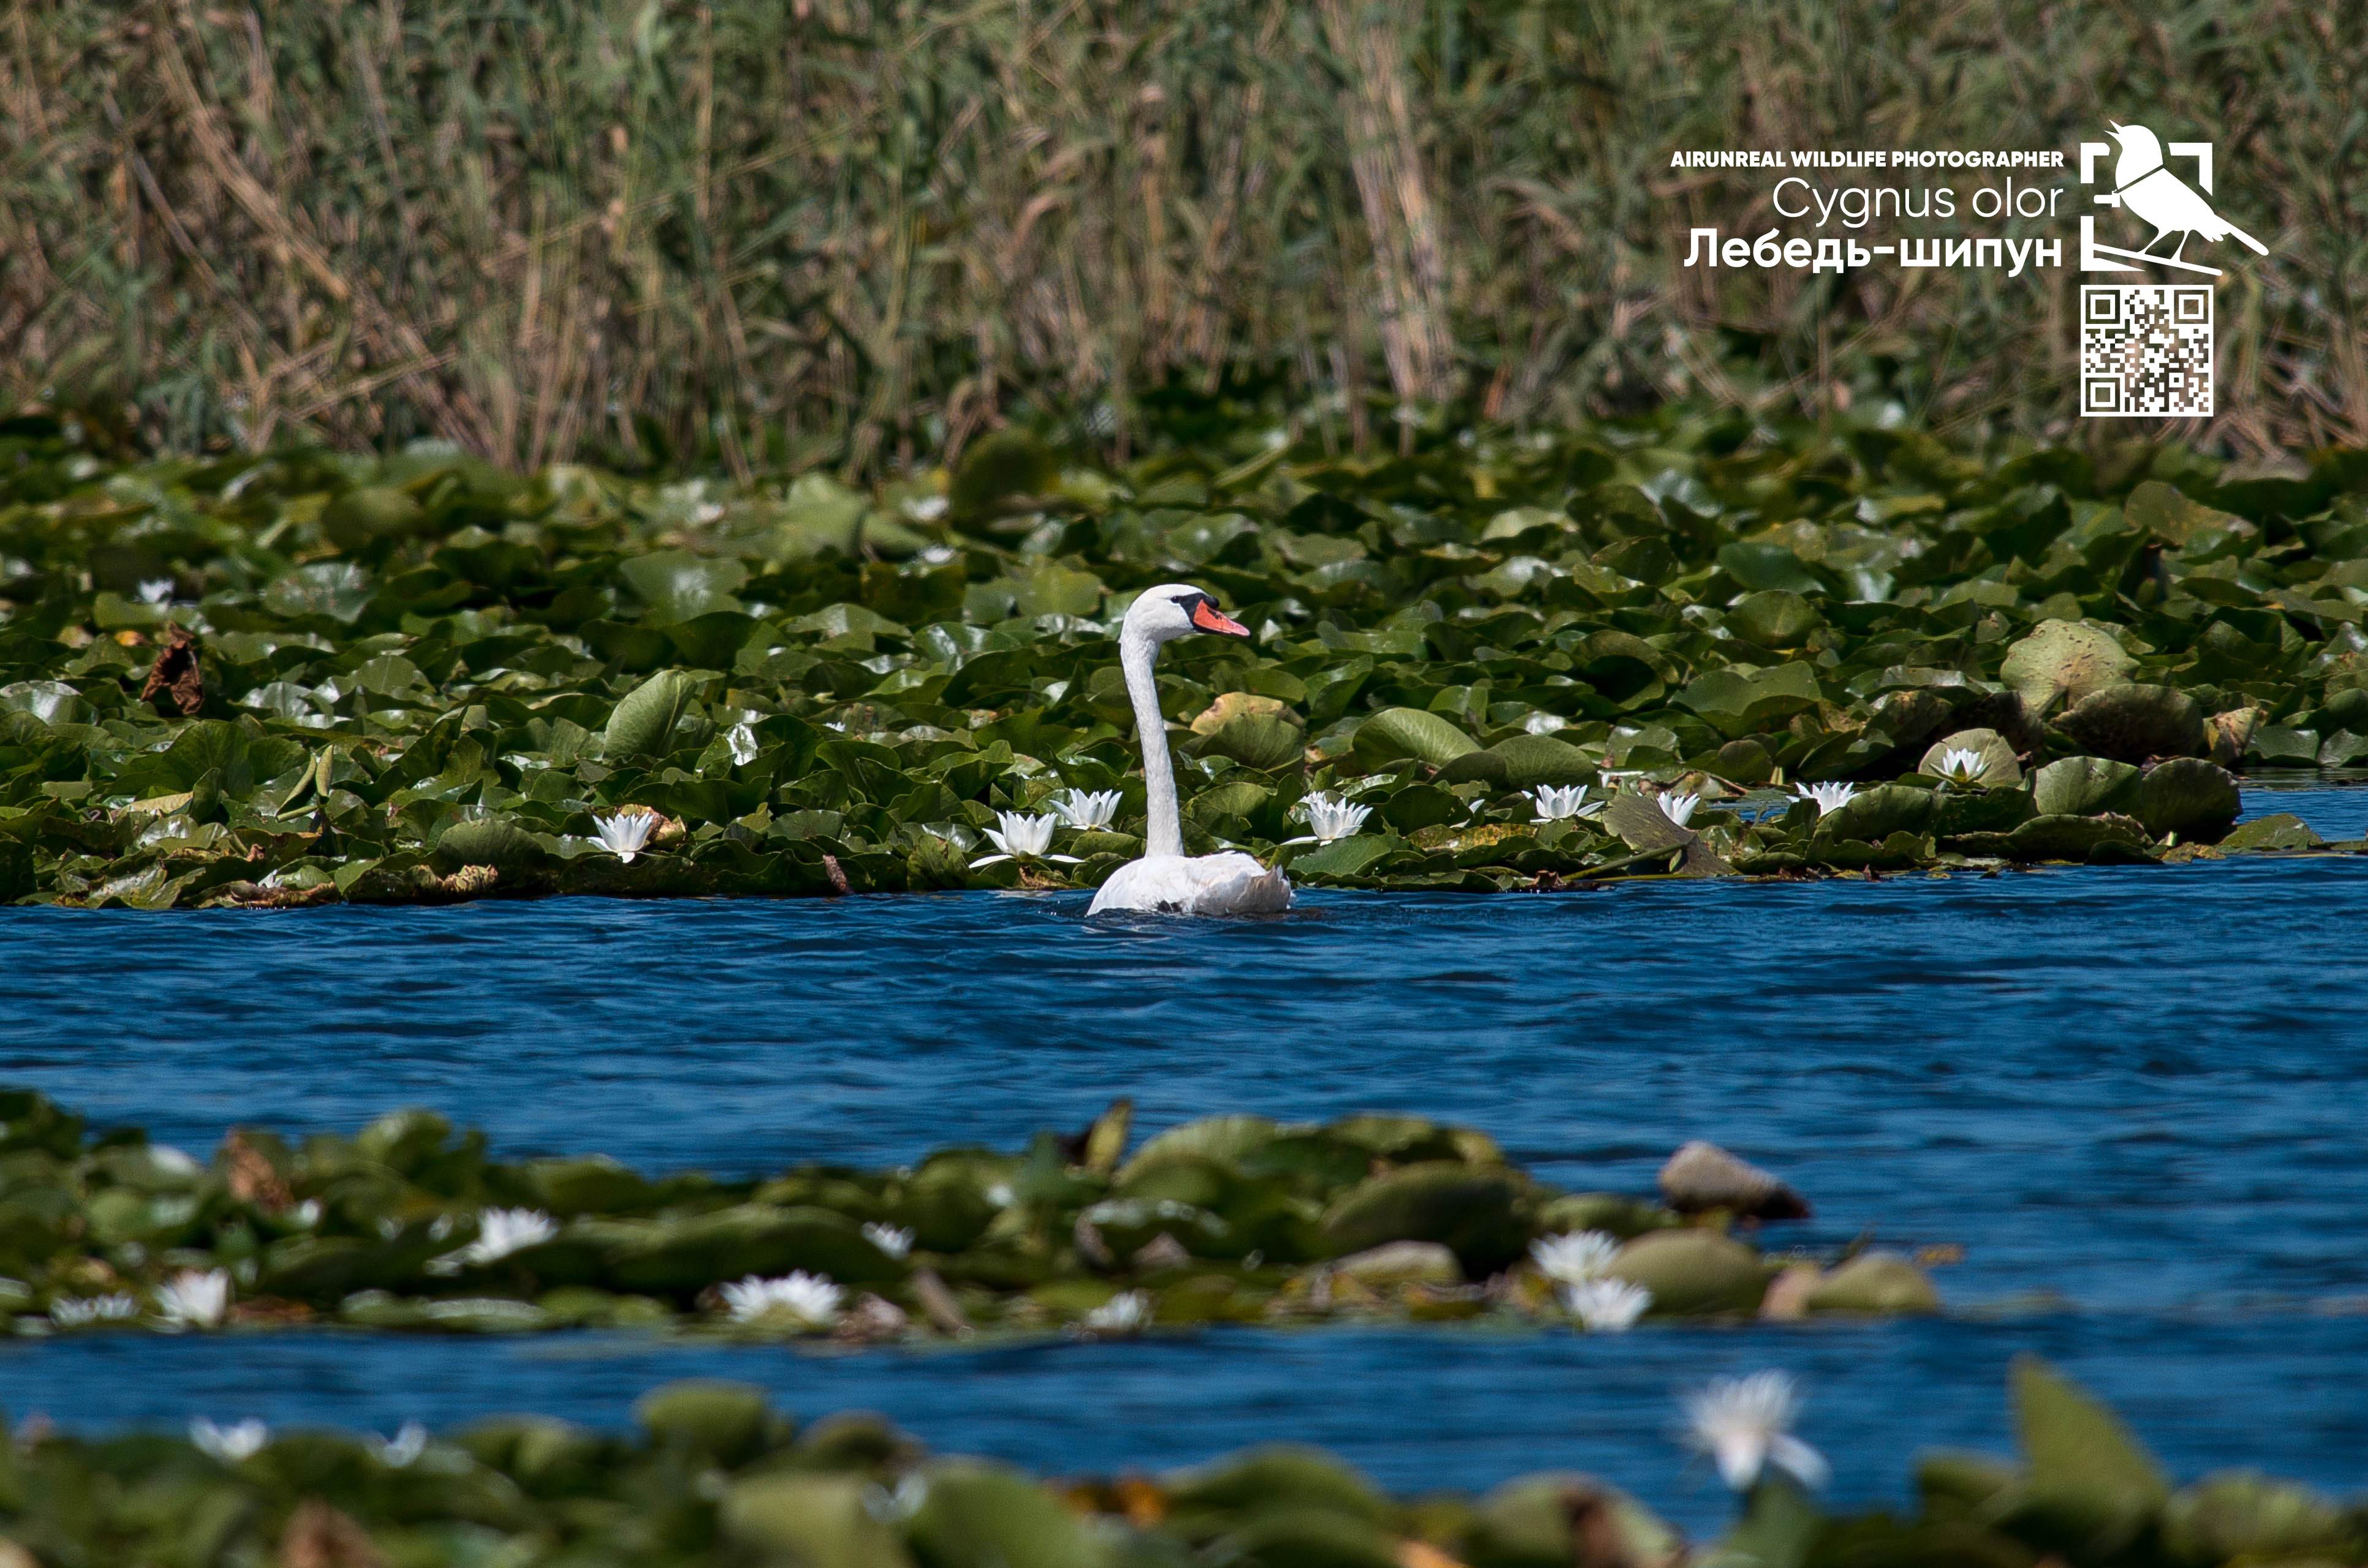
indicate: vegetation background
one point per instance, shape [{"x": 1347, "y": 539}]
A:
[{"x": 784, "y": 234}]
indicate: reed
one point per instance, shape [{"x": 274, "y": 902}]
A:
[{"x": 856, "y": 233}]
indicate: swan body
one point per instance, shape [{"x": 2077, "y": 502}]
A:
[
  {"x": 1231, "y": 883},
  {"x": 1166, "y": 880}
]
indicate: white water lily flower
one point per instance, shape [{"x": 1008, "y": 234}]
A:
[
  {"x": 890, "y": 1239},
  {"x": 231, "y": 1444},
  {"x": 500, "y": 1232},
  {"x": 1679, "y": 809},
  {"x": 398, "y": 1451},
  {"x": 742, "y": 739},
  {"x": 1125, "y": 1313},
  {"x": 806, "y": 1301},
  {"x": 1331, "y": 818},
  {"x": 1574, "y": 1258},
  {"x": 1959, "y": 765},
  {"x": 1828, "y": 796},
  {"x": 926, "y": 508},
  {"x": 623, "y": 833},
  {"x": 76, "y": 1311},
  {"x": 156, "y": 591},
  {"x": 1606, "y": 1305},
  {"x": 194, "y": 1300},
  {"x": 1021, "y": 837},
  {"x": 1086, "y": 811},
  {"x": 1744, "y": 1425},
  {"x": 1562, "y": 802}
]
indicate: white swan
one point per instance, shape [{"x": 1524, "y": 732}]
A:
[{"x": 1166, "y": 878}]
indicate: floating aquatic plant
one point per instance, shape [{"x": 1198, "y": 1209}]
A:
[
  {"x": 500, "y": 1232},
  {"x": 1745, "y": 1425},
  {"x": 1604, "y": 1305},
  {"x": 194, "y": 1298},
  {"x": 240, "y": 1440},
  {"x": 1575, "y": 1258},
  {"x": 1562, "y": 802},
  {"x": 1357, "y": 1219},
  {"x": 894, "y": 1240},
  {"x": 1127, "y": 1313},
  {"x": 624, "y": 834},
  {"x": 1087, "y": 809},
  {"x": 802, "y": 1300},
  {"x": 1958, "y": 766},
  {"x": 1019, "y": 836},
  {"x": 716, "y": 1461},
  {"x": 1826, "y": 797},
  {"x": 81, "y": 1311},
  {"x": 1331, "y": 818}
]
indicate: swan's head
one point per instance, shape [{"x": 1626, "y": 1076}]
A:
[{"x": 1178, "y": 610}]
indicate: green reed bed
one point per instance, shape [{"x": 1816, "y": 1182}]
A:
[
  {"x": 1501, "y": 662},
  {"x": 1232, "y": 1219},
  {"x": 767, "y": 235},
  {"x": 711, "y": 1475}
]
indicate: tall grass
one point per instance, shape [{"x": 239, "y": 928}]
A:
[{"x": 782, "y": 232}]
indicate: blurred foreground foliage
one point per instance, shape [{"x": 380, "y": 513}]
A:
[{"x": 713, "y": 1475}]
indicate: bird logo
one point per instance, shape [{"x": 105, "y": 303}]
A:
[{"x": 2143, "y": 186}]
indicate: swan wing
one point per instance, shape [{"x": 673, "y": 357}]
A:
[{"x": 1231, "y": 883}]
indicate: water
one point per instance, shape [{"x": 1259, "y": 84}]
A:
[{"x": 2126, "y": 1094}]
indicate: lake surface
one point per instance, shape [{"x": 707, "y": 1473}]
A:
[{"x": 2129, "y": 1094}]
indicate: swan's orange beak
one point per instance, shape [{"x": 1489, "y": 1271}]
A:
[{"x": 1208, "y": 618}]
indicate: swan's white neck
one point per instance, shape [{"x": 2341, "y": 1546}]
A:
[{"x": 1164, "y": 831}]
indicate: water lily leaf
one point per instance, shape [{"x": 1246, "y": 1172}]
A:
[
  {"x": 2188, "y": 796},
  {"x": 1351, "y": 856},
  {"x": 645, "y": 717},
  {"x": 2077, "y": 838},
  {"x": 1481, "y": 1214},
  {"x": 1692, "y": 1271},
  {"x": 1398, "y": 734},
  {"x": 1778, "y": 617},
  {"x": 338, "y": 590},
  {"x": 679, "y": 585},
  {"x": 2279, "y": 830},
  {"x": 816, "y": 1521},
  {"x": 1768, "y": 568},
  {"x": 2177, "y": 521},
  {"x": 711, "y": 641},
  {"x": 1222, "y": 1139},
  {"x": 50, "y": 701},
  {"x": 370, "y": 514},
  {"x": 496, "y": 842},
  {"x": 1875, "y": 814},
  {"x": 1876, "y": 1281},
  {"x": 976, "y": 1515},
  {"x": 2084, "y": 1464},
  {"x": 1527, "y": 1523},
  {"x": 2065, "y": 660},
  {"x": 2083, "y": 786},
  {"x": 2237, "y": 1516},
  {"x": 1260, "y": 741},
  {"x": 1739, "y": 701},
  {"x": 1533, "y": 760},
  {"x": 2136, "y": 723}
]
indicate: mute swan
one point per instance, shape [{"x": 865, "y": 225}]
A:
[{"x": 1166, "y": 879}]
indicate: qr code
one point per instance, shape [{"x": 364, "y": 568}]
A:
[{"x": 2145, "y": 350}]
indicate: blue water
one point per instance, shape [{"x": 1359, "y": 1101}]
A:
[{"x": 2127, "y": 1094}]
